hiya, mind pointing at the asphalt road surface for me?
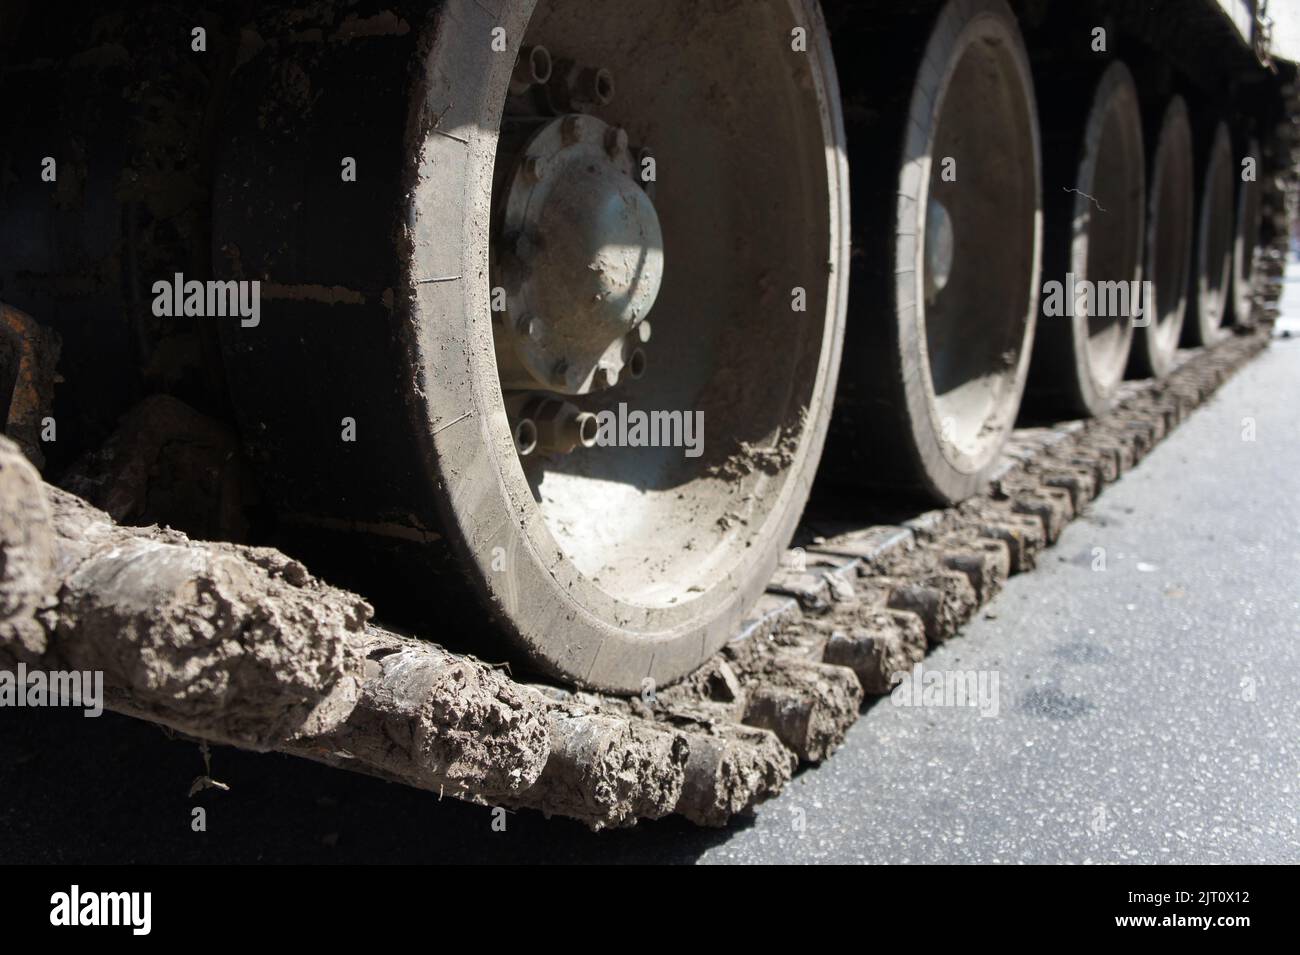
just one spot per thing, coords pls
(1146, 709)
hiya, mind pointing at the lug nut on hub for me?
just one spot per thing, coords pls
(576, 89)
(559, 427)
(571, 128)
(596, 85)
(525, 437)
(527, 326)
(636, 364)
(535, 167)
(533, 68)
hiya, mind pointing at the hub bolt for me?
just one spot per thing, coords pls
(616, 142)
(535, 168)
(571, 129)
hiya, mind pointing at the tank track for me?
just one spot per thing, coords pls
(856, 604)
(299, 668)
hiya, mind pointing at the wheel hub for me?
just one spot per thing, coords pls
(581, 259)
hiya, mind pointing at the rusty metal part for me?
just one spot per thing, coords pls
(29, 357)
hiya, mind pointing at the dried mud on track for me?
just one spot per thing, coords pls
(853, 609)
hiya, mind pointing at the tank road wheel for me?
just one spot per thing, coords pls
(946, 255)
(1170, 227)
(1249, 222)
(1094, 201)
(538, 188)
(1216, 221)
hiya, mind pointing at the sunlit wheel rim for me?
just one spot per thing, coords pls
(1170, 228)
(1094, 241)
(1111, 201)
(1249, 218)
(974, 102)
(1214, 242)
(665, 608)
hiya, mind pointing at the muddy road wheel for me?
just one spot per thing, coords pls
(1250, 219)
(561, 218)
(1170, 227)
(946, 210)
(1215, 230)
(1094, 206)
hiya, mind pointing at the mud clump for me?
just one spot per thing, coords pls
(607, 771)
(441, 722)
(235, 644)
(749, 458)
(877, 646)
(27, 556)
(808, 705)
(731, 768)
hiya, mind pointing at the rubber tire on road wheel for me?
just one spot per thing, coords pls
(1216, 225)
(377, 316)
(1250, 219)
(1094, 210)
(1170, 228)
(902, 421)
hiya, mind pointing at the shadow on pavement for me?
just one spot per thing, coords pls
(115, 790)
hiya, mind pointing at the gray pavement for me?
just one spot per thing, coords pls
(1147, 710)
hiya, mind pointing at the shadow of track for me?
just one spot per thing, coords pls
(115, 790)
